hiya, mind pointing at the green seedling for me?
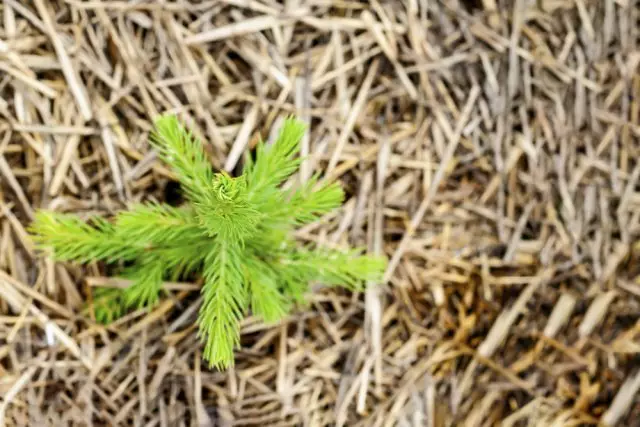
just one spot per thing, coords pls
(236, 233)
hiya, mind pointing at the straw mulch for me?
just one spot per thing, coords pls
(490, 149)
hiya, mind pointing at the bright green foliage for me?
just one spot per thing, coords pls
(237, 232)
(108, 304)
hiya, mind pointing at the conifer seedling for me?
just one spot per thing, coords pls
(237, 233)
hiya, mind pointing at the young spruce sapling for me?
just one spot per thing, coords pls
(237, 233)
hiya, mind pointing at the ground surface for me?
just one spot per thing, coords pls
(490, 149)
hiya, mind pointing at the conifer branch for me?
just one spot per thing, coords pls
(225, 303)
(275, 163)
(347, 269)
(157, 224)
(73, 239)
(177, 147)
(108, 304)
(147, 276)
(267, 299)
(308, 204)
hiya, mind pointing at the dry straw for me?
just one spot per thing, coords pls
(490, 149)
